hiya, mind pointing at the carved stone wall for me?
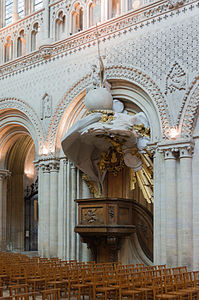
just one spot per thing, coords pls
(155, 49)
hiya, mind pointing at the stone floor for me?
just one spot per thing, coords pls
(39, 297)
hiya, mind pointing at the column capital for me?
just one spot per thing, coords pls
(64, 159)
(4, 173)
(54, 166)
(176, 149)
(47, 163)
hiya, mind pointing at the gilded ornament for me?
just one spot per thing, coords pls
(112, 160)
(93, 188)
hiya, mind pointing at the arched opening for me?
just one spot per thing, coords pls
(8, 48)
(77, 18)
(21, 44)
(17, 153)
(60, 26)
(94, 12)
(34, 34)
(137, 186)
(114, 8)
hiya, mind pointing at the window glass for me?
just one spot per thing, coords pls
(8, 11)
(21, 8)
(38, 4)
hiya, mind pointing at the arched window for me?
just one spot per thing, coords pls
(114, 8)
(38, 4)
(8, 11)
(60, 26)
(34, 37)
(94, 13)
(77, 18)
(21, 44)
(21, 8)
(8, 48)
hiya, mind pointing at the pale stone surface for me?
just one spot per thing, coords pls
(152, 63)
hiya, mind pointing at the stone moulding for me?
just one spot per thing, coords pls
(131, 21)
(113, 72)
(189, 110)
(13, 103)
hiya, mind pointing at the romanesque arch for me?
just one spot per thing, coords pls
(20, 143)
(129, 74)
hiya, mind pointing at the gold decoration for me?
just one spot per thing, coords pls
(106, 118)
(144, 177)
(112, 160)
(92, 186)
(142, 130)
(133, 179)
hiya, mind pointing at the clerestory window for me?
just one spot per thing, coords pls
(38, 4)
(8, 11)
(21, 8)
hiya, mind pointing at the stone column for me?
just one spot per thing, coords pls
(3, 200)
(68, 212)
(171, 207)
(45, 28)
(85, 252)
(2, 5)
(124, 6)
(40, 208)
(28, 7)
(15, 47)
(73, 210)
(195, 168)
(62, 194)
(15, 15)
(45, 238)
(185, 207)
(159, 208)
(104, 10)
(54, 168)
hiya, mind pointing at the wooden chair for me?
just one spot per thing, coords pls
(18, 289)
(179, 287)
(159, 290)
(52, 294)
(102, 289)
(80, 284)
(127, 290)
(24, 296)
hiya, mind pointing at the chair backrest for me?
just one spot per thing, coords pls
(18, 289)
(24, 296)
(52, 294)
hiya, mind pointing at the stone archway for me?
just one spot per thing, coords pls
(136, 100)
(19, 146)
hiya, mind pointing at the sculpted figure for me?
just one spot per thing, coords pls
(46, 107)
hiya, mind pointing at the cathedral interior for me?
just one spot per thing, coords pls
(99, 131)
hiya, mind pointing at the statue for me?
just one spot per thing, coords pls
(46, 107)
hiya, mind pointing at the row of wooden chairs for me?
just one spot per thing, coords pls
(26, 277)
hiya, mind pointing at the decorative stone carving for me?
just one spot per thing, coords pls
(175, 3)
(177, 149)
(45, 52)
(187, 120)
(46, 106)
(176, 79)
(118, 27)
(8, 103)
